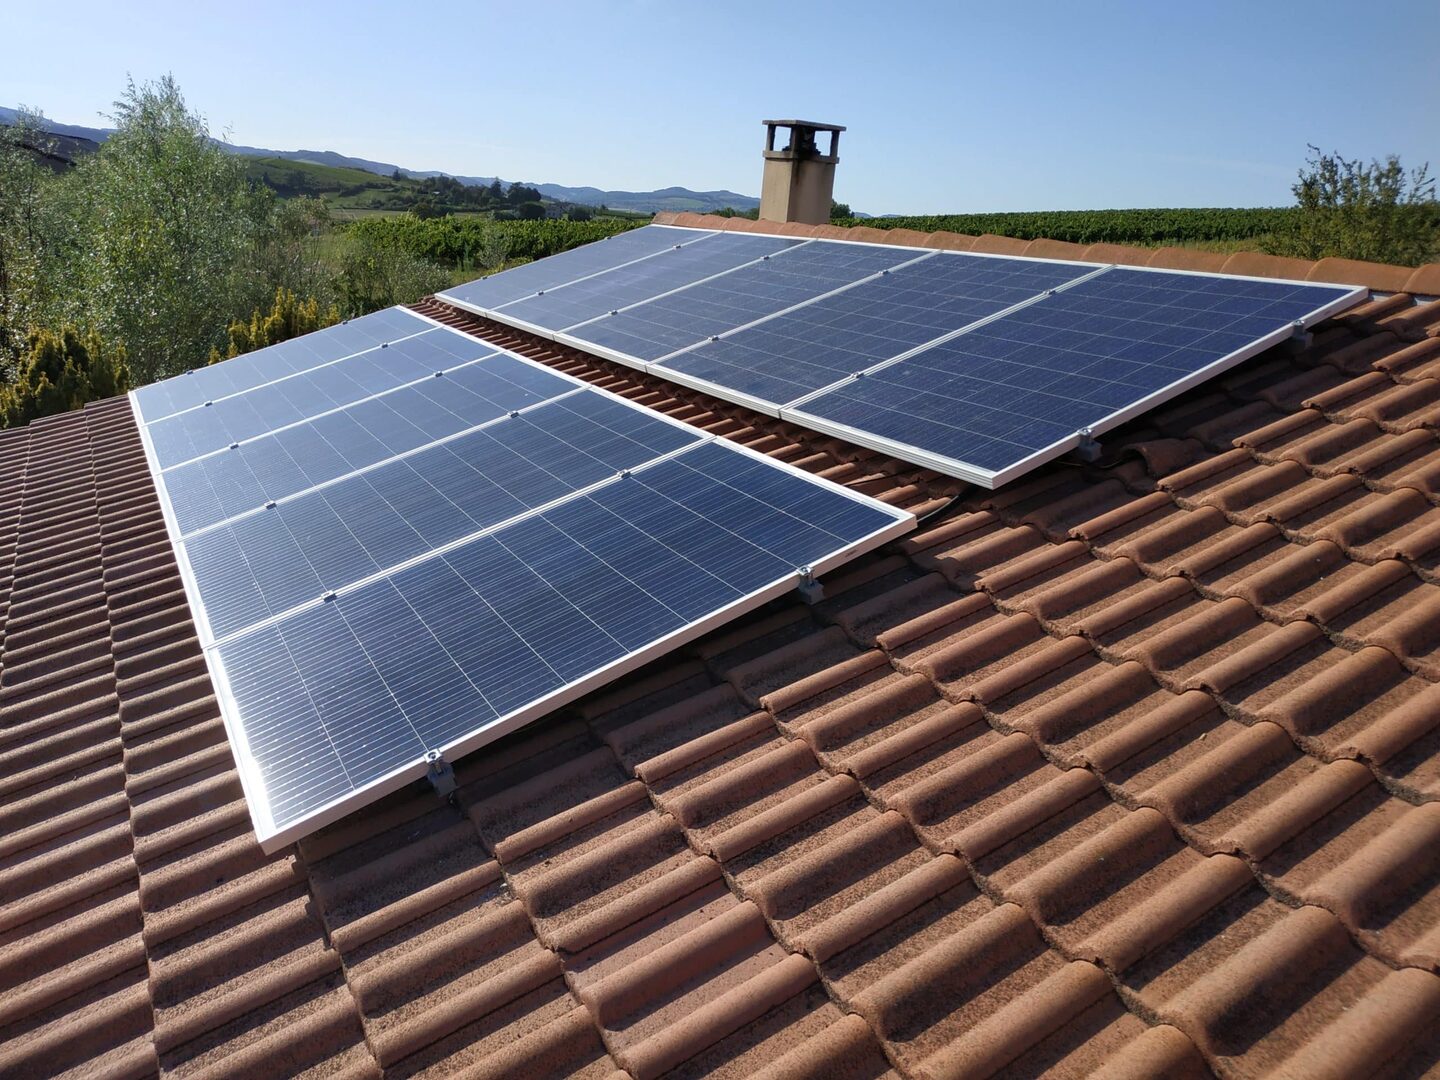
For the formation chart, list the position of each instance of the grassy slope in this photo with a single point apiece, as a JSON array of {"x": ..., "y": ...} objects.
[{"x": 342, "y": 189}]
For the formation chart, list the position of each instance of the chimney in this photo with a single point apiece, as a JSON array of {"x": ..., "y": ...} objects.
[{"x": 799, "y": 179}]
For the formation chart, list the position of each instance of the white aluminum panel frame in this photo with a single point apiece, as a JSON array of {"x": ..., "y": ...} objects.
[{"x": 273, "y": 839}]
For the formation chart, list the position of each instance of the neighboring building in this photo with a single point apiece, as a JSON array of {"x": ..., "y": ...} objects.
[{"x": 1130, "y": 768}]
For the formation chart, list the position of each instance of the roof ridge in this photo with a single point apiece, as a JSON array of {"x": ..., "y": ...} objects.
[{"x": 1381, "y": 277}]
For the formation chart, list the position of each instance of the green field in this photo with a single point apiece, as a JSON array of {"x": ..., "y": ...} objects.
[{"x": 1223, "y": 229}]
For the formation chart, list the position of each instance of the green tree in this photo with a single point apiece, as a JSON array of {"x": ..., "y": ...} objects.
[
  {"x": 290, "y": 250},
  {"x": 61, "y": 371},
  {"x": 1348, "y": 209},
  {"x": 839, "y": 211},
  {"x": 376, "y": 274},
  {"x": 29, "y": 244},
  {"x": 530, "y": 211},
  {"x": 169, "y": 220}
]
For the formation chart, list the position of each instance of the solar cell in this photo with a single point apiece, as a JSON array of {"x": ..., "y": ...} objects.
[
  {"x": 292, "y": 398},
  {"x": 638, "y": 281},
  {"x": 795, "y": 353},
  {"x": 259, "y": 565},
  {"x": 544, "y": 274},
  {"x": 662, "y": 326},
  {"x": 304, "y": 353},
  {"x": 1026, "y": 386},
  {"x": 452, "y": 651},
  {"x": 277, "y": 465}
]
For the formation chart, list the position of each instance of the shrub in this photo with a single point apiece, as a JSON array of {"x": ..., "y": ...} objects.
[{"x": 59, "y": 372}]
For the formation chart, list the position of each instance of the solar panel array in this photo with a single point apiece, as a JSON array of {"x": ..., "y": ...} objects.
[
  {"x": 399, "y": 541},
  {"x": 982, "y": 367}
]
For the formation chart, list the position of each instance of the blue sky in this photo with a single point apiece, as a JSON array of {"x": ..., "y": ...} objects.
[{"x": 951, "y": 107}]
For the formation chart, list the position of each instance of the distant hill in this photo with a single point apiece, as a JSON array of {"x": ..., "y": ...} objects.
[{"x": 670, "y": 198}]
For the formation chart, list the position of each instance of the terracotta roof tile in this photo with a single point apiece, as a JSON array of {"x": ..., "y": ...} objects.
[
  {"x": 990, "y": 244},
  {"x": 1167, "y": 724},
  {"x": 1425, "y": 281}
]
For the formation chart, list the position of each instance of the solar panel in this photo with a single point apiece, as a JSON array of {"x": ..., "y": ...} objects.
[
  {"x": 543, "y": 274},
  {"x": 982, "y": 367},
  {"x": 580, "y": 301},
  {"x": 1010, "y": 393},
  {"x": 659, "y": 327},
  {"x": 816, "y": 344},
  {"x": 423, "y": 569},
  {"x": 304, "y": 353}
]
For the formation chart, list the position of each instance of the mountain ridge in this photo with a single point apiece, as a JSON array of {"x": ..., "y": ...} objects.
[{"x": 667, "y": 198}]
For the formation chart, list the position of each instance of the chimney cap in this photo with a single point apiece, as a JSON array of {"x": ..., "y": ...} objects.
[{"x": 803, "y": 124}]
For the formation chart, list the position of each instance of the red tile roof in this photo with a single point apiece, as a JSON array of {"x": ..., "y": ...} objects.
[{"x": 1130, "y": 768}]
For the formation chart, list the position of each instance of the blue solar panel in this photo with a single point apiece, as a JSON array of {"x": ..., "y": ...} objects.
[
  {"x": 442, "y": 654},
  {"x": 275, "y": 466},
  {"x": 257, "y": 566},
  {"x": 796, "y": 353},
  {"x": 638, "y": 281},
  {"x": 246, "y": 372},
  {"x": 530, "y": 278},
  {"x": 662, "y": 326},
  {"x": 992, "y": 398},
  {"x": 203, "y": 430}
]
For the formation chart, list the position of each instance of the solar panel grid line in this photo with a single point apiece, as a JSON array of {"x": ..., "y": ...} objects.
[
  {"x": 429, "y": 514},
  {"x": 178, "y": 537},
  {"x": 452, "y": 296},
  {"x": 187, "y": 383},
  {"x": 272, "y": 837},
  {"x": 922, "y": 257},
  {"x": 305, "y": 396},
  {"x": 766, "y": 257},
  {"x": 291, "y": 374},
  {"x": 565, "y": 337},
  {"x": 771, "y": 408},
  {"x": 609, "y": 269},
  {"x": 998, "y": 477},
  {"x": 947, "y": 337},
  {"x": 444, "y": 549},
  {"x": 211, "y": 490},
  {"x": 616, "y": 290},
  {"x": 373, "y": 466},
  {"x": 701, "y": 311},
  {"x": 490, "y": 352}
]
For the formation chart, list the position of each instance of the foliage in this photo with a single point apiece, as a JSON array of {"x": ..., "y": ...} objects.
[
  {"x": 839, "y": 211},
  {"x": 464, "y": 242},
  {"x": 378, "y": 272},
  {"x": 1146, "y": 227},
  {"x": 31, "y": 229},
  {"x": 1350, "y": 210},
  {"x": 61, "y": 371},
  {"x": 290, "y": 251},
  {"x": 169, "y": 220},
  {"x": 288, "y": 317}
]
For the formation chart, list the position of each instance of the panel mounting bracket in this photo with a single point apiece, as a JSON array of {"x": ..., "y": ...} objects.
[
  {"x": 440, "y": 774},
  {"x": 1088, "y": 449},
  {"x": 1300, "y": 338},
  {"x": 811, "y": 591}
]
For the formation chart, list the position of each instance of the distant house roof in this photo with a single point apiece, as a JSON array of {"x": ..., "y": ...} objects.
[{"x": 1131, "y": 767}]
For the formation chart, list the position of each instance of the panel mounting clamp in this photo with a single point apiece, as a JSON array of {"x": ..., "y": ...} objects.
[
  {"x": 439, "y": 773},
  {"x": 1088, "y": 449},
  {"x": 1300, "y": 338},
  {"x": 811, "y": 591}
]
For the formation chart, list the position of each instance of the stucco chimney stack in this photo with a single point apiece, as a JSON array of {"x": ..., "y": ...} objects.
[{"x": 799, "y": 176}]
